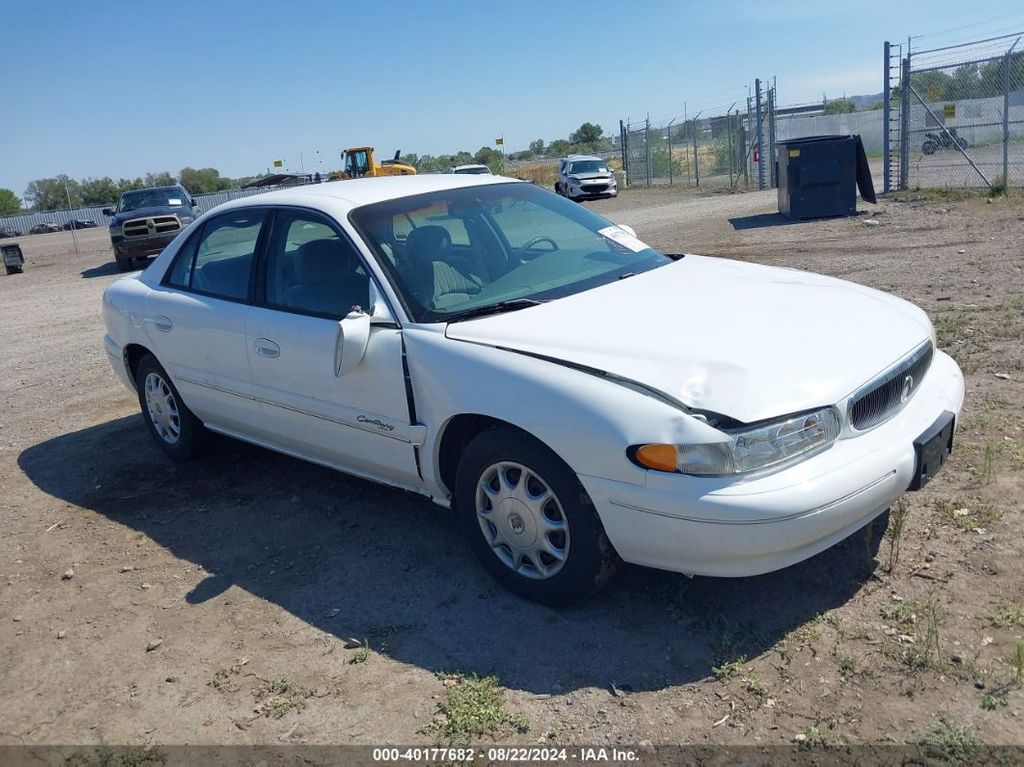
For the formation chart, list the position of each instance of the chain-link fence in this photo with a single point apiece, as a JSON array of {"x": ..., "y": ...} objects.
[
  {"x": 955, "y": 115},
  {"x": 730, "y": 149}
]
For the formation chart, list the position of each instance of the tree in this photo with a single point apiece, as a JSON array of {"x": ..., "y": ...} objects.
[
  {"x": 52, "y": 193},
  {"x": 203, "y": 180},
  {"x": 163, "y": 178},
  {"x": 100, "y": 191},
  {"x": 537, "y": 147},
  {"x": 10, "y": 205},
  {"x": 588, "y": 133},
  {"x": 840, "y": 107},
  {"x": 559, "y": 147}
]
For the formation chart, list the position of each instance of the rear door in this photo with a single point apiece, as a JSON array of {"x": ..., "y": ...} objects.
[{"x": 198, "y": 320}]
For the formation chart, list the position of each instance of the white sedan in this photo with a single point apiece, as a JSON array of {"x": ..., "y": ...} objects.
[{"x": 576, "y": 397}]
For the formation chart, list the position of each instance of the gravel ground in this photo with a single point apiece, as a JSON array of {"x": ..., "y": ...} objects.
[{"x": 251, "y": 598}]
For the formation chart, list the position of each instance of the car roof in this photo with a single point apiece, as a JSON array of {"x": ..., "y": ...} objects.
[
  {"x": 354, "y": 193},
  {"x": 471, "y": 165},
  {"x": 572, "y": 157}
]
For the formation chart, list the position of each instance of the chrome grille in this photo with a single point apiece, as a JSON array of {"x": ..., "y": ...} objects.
[
  {"x": 886, "y": 395},
  {"x": 146, "y": 227}
]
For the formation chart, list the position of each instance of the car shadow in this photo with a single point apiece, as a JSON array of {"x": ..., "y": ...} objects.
[
  {"x": 355, "y": 559},
  {"x": 104, "y": 270}
]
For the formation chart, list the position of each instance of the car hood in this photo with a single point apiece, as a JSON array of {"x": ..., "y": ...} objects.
[
  {"x": 590, "y": 176},
  {"x": 746, "y": 341},
  {"x": 158, "y": 210}
]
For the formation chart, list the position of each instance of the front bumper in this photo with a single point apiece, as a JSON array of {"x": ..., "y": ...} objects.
[
  {"x": 723, "y": 527},
  {"x": 137, "y": 247},
  {"x": 592, "y": 191}
]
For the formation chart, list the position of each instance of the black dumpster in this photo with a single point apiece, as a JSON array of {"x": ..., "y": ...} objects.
[
  {"x": 13, "y": 259},
  {"x": 819, "y": 175}
]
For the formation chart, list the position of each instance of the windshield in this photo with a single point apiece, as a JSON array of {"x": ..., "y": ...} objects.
[
  {"x": 588, "y": 166},
  {"x": 455, "y": 250},
  {"x": 152, "y": 198},
  {"x": 475, "y": 169}
]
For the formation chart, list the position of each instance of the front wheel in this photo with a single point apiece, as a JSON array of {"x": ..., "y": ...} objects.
[
  {"x": 929, "y": 147},
  {"x": 172, "y": 425},
  {"x": 530, "y": 521},
  {"x": 124, "y": 263}
]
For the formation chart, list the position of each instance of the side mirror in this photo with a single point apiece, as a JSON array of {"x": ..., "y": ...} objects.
[
  {"x": 193, "y": 203},
  {"x": 108, "y": 211},
  {"x": 351, "y": 342},
  {"x": 627, "y": 229}
]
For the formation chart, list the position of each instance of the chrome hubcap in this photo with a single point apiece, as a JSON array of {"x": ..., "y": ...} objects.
[
  {"x": 522, "y": 520},
  {"x": 163, "y": 409}
]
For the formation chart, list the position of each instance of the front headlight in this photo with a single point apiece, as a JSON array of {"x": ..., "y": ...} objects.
[
  {"x": 115, "y": 229},
  {"x": 763, "y": 447}
]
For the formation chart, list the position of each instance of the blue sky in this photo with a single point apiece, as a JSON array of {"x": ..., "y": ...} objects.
[{"x": 122, "y": 88}]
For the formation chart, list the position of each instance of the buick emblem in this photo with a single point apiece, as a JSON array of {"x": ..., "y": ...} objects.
[
  {"x": 908, "y": 388},
  {"x": 516, "y": 523}
]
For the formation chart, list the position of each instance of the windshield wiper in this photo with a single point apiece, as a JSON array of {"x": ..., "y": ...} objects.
[{"x": 502, "y": 306}]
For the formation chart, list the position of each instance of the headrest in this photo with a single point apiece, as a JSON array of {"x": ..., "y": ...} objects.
[
  {"x": 426, "y": 243},
  {"x": 319, "y": 260}
]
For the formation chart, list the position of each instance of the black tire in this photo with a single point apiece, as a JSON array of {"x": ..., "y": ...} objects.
[
  {"x": 191, "y": 432},
  {"x": 590, "y": 560},
  {"x": 558, "y": 188},
  {"x": 961, "y": 142},
  {"x": 12, "y": 269},
  {"x": 929, "y": 147},
  {"x": 124, "y": 264}
]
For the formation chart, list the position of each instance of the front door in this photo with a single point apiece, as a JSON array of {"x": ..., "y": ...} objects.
[{"x": 357, "y": 421}]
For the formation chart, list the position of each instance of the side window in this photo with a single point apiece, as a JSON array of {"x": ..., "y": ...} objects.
[
  {"x": 310, "y": 269},
  {"x": 224, "y": 254}
]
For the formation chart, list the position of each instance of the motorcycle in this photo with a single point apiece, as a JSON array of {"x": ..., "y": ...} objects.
[{"x": 944, "y": 139}]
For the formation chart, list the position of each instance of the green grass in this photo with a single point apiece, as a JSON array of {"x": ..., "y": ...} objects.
[
  {"x": 951, "y": 742},
  {"x": 950, "y": 327},
  {"x": 967, "y": 512},
  {"x": 474, "y": 708},
  {"x": 281, "y": 696},
  {"x": 1008, "y": 614},
  {"x": 900, "y": 613}
]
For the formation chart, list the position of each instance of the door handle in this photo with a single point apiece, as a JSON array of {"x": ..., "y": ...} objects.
[
  {"x": 266, "y": 348},
  {"x": 163, "y": 324}
]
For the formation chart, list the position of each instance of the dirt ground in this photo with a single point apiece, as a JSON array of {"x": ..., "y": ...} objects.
[{"x": 252, "y": 598}]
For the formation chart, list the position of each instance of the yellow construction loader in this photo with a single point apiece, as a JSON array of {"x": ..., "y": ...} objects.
[{"x": 360, "y": 162}]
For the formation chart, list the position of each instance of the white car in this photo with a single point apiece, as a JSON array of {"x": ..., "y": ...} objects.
[
  {"x": 471, "y": 170},
  {"x": 585, "y": 177},
  {"x": 576, "y": 397}
]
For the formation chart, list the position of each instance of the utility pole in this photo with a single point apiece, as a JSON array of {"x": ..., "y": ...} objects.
[{"x": 74, "y": 231}]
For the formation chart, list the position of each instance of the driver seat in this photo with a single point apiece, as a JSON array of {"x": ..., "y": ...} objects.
[{"x": 431, "y": 275}]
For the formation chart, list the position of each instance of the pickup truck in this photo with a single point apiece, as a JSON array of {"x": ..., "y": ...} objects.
[{"x": 146, "y": 220}]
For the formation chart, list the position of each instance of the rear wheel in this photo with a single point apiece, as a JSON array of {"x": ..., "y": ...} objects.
[
  {"x": 171, "y": 424},
  {"x": 529, "y": 519},
  {"x": 929, "y": 147}
]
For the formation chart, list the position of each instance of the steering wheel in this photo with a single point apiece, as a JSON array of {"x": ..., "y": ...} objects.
[{"x": 537, "y": 241}]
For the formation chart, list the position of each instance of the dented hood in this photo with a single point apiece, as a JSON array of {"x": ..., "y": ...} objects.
[{"x": 747, "y": 341}]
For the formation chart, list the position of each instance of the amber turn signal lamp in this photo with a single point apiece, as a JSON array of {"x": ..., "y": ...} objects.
[{"x": 660, "y": 457}]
